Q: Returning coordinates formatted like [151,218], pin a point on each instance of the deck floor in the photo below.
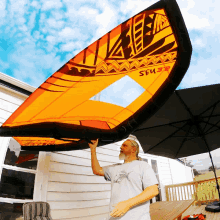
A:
[193,209]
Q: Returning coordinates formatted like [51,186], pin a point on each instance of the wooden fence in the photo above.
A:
[203,191]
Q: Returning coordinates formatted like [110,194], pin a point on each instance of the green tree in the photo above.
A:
[196,173]
[211,168]
[187,162]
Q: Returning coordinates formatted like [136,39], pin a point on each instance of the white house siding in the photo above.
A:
[165,171]
[179,172]
[9,102]
[74,192]
[164,175]
[189,174]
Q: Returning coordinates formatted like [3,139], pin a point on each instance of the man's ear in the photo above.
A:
[133,149]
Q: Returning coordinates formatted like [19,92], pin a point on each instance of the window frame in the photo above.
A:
[150,158]
[4,144]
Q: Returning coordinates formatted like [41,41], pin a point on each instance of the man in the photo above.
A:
[133,183]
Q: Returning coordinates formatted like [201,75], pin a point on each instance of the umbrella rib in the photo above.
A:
[161,125]
[183,130]
[187,108]
[209,107]
[207,131]
[184,140]
[210,116]
[214,106]
[184,104]
[193,138]
[211,132]
[178,136]
[166,138]
[213,125]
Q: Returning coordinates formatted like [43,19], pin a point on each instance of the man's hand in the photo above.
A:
[94,144]
[120,209]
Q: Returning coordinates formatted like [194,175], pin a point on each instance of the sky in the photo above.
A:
[38,37]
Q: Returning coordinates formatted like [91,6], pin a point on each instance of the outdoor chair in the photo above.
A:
[36,211]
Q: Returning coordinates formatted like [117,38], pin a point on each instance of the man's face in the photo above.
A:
[126,149]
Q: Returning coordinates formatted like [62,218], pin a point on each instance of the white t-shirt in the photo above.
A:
[127,181]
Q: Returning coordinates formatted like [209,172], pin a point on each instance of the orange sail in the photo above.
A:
[152,50]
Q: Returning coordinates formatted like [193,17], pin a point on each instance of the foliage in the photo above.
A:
[211,168]
[187,162]
[196,173]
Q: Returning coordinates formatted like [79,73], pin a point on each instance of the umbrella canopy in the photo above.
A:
[185,125]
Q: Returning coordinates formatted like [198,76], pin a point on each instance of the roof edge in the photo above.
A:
[16,85]
[182,162]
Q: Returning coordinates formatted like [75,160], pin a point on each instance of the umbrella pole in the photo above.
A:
[215,206]
[215,175]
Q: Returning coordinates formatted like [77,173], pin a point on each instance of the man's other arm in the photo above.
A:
[122,207]
[97,170]
[149,193]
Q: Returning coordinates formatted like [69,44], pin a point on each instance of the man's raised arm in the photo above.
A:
[97,170]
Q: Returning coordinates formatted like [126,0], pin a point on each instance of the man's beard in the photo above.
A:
[122,156]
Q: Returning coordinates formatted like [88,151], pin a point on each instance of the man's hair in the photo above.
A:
[136,145]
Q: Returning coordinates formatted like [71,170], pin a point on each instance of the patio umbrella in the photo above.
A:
[187,124]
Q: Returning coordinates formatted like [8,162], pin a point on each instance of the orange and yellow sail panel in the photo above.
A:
[146,49]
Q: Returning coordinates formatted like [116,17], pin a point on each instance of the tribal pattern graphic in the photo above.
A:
[146,39]
[133,64]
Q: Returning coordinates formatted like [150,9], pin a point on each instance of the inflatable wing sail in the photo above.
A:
[149,53]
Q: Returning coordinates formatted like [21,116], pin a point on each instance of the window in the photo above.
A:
[17,184]
[18,172]
[154,167]
[20,158]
